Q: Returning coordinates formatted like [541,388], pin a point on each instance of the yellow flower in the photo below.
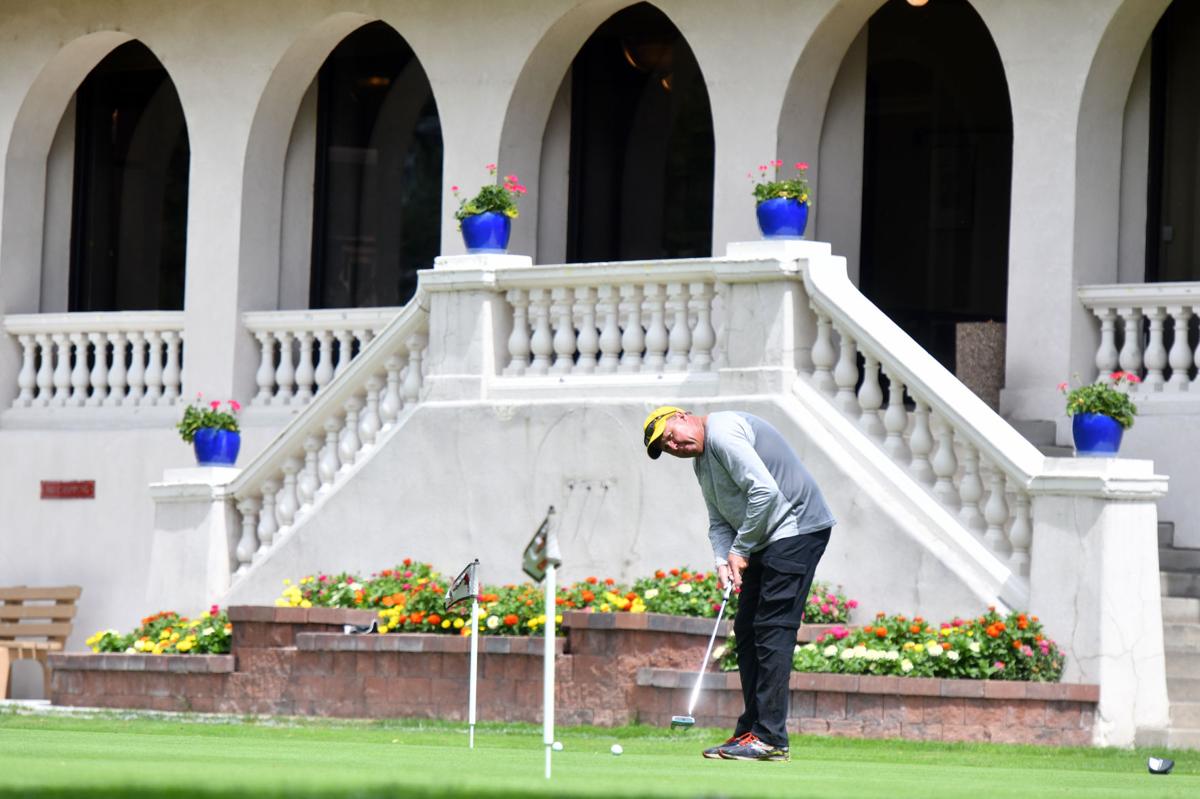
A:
[605,608]
[305,603]
[445,624]
[281,603]
[558,619]
[184,646]
[638,606]
[205,614]
[918,647]
[287,581]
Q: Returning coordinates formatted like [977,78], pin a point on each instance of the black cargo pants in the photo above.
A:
[775,587]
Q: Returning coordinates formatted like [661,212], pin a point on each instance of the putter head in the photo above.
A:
[682,721]
[1159,765]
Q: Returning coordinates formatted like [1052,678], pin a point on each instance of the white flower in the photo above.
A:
[906,666]
[650,593]
[830,651]
[891,654]
[952,655]
[860,651]
[810,647]
[974,647]
[685,588]
[493,622]
[719,652]
[207,631]
[130,651]
[796,649]
[934,650]
[847,654]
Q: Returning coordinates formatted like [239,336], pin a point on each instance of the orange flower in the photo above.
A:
[868,629]
[916,628]
[416,617]
[408,561]
[660,574]
[674,572]
[511,619]
[685,576]
[591,581]
[387,602]
[588,596]
[434,619]
[609,581]
[881,632]
[631,596]
[699,577]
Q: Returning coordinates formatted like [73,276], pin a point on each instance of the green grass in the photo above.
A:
[111,755]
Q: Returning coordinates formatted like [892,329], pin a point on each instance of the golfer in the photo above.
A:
[769,526]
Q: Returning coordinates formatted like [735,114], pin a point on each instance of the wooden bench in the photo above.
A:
[33,623]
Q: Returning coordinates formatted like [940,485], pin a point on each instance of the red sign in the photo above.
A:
[68,489]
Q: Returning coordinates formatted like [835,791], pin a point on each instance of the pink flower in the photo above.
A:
[213,610]
[1062,386]
[826,609]
[852,604]
[802,165]
[1026,651]
[776,163]
[519,189]
[839,632]
[237,406]
[454,188]
[998,665]
[214,405]
[510,178]
[489,167]
[831,599]
[408,574]
[321,578]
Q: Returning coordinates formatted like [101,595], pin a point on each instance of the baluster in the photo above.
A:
[704,337]
[247,545]
[1181,354]
[996,514]
[589,336]
[870,399]
[137,368]
[154,368]
[1020,536]
[45,374]
[920,443]
[79,372]
[324,371]
[518,339]
[823,355]
[370,423]
[895,421]
[265,376]
[285,373]
[309,479]
[117,380]
[1130,358]
[62,369]
[345,348]
[305,371]
[390,403]
[633,340]
[542,342]
[970,488]
[99,376]
[610,336]
[720,319]
[268,524]
[330,462]
[1106,354]
[26,380]
[173,368]
[679,343]
[364,337]
[288,503]
[656,330]
[1156,352]
[945,464]
[564,332]
[845,374]
[412,377]
[349,443]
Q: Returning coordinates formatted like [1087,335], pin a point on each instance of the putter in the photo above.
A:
[689,720]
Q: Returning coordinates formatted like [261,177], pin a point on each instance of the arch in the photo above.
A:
[266,150]
[25,164]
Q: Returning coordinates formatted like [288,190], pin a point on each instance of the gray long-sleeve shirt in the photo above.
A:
[756,488]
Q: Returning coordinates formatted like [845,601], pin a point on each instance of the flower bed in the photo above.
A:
[168,633]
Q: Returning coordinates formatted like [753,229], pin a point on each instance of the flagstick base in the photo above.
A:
[548,749]
[472,737]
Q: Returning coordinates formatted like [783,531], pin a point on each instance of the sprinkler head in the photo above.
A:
[682,721]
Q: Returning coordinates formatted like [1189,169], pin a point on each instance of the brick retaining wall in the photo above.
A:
[611,669]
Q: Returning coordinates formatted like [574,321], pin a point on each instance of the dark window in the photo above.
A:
[1173,211]
[937,171]
[377,200]
[641,144]
[129,225]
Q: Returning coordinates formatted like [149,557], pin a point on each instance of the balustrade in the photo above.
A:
[128,359]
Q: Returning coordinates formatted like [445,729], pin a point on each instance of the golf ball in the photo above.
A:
[616,749]
[557,746]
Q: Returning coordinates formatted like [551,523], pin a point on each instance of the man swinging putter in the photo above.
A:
[768,525]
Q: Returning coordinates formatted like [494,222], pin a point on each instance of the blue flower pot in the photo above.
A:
[1096,435]
[782,218]
[487,232]
[216,447]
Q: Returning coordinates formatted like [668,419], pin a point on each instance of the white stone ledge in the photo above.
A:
[615,386]
[321,319]
[1139,294]
[91,418]
[99,322]
[1104,478]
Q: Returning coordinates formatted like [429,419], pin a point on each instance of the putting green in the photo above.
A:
[111,755]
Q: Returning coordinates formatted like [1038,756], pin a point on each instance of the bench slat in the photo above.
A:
[44,630]
[21,594]
[9,612]
[38,646]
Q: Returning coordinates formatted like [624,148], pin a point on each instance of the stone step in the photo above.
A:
[1166,534]
[1185,609]
[1036,431]
[1185,715]
[1174,738]
[1183,689]
[1181,635]
[1183,663]
[1179,584]
[1174,559]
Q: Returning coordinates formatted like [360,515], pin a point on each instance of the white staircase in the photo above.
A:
[1181,640]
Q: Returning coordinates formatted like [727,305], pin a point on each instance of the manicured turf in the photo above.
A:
[111,755]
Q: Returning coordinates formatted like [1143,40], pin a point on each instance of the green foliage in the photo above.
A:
[1104,397]
[168,633]
[774,188]
[501,198]
[198,415]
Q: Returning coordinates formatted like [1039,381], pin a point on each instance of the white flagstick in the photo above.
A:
[474,652]
[548,669]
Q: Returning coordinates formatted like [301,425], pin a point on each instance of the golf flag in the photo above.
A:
[542,549]
[464,586]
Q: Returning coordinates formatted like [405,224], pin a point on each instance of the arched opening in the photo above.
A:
[129,208]
[1173,197]
[937,171]
[641,144]
[378,173]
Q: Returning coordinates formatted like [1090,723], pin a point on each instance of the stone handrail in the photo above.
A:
[317,449]
[302,351]
[124,358]
[1135,335]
